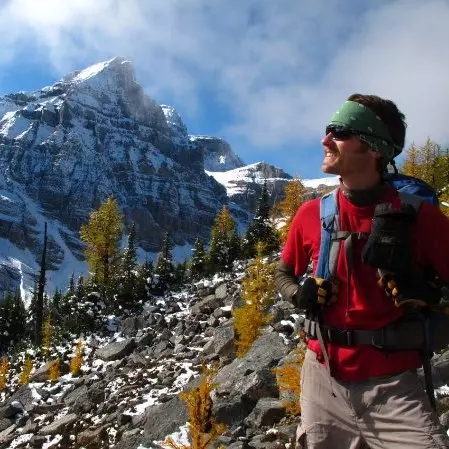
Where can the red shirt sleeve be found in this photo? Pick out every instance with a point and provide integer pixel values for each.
(298, 248)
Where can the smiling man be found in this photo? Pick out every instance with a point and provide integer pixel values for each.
(358, 390)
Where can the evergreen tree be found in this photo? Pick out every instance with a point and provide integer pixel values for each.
(261, 229)
(180, 274)
(235, 247)
(294, 192)
(130, 255)
(164, 266)
(39, 305)
(12, 320)
(411, 166)
(220, 256)
(102, 236)
(72, 284)
(198, 261)
(57, 299)
(258, 293)
(126, 298)
(144, 281)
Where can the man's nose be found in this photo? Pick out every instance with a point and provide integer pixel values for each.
(327, 139)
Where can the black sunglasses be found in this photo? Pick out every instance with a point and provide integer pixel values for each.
(341, 132)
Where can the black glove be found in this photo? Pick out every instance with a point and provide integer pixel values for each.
(415, 292)
(314, 292)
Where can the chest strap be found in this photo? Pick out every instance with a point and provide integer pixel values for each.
(401, 335)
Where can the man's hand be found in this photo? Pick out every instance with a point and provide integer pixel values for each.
(316, 291)
(406, 292)
(326, 292)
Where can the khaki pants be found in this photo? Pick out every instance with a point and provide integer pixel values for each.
(390, 412)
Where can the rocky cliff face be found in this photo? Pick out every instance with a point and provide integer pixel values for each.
(218, 154)
(66, 148)
(244, 186)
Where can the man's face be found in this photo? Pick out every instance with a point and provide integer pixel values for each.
(347, 155)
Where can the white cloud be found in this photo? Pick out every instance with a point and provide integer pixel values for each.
(281, 67)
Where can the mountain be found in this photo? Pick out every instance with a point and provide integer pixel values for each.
(96, 133)
(66, 148)
(244, 186)
(218, 154)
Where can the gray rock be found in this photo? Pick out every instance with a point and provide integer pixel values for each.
(244, 381)
(25, 396)
(163, 419)
(11, 409)
(144, 340)
(60, 425)
(116, 350)
(221, 291)
(224, 342)
(131, 439)
(444, 419)
(207, 305)
(5, 423)
(267, 412)
(92, 438)
(129, 326)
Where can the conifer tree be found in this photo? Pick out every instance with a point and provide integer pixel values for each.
(258, 294)
(126, 297)
(12, 319)
(130, 255)
(71, 290)
(144, 280)
(4, 372)
(198, 261)
(180, 274)
(220, 256)
(411, 166)
(39, 305)
(102, 236)
(47, 335)
(294, 192)
(261, 228)
(56, 300)
(164, 266)
(235, 247)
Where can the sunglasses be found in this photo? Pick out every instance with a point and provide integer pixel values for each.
(341, 132)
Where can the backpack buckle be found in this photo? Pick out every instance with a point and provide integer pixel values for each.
(349, 336)
(379, 338)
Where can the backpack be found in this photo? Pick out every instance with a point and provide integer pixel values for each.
(412, 186)
(435, 325)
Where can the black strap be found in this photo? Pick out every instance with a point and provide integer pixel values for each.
(406, 335)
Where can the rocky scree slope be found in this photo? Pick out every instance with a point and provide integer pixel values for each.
(127, 396)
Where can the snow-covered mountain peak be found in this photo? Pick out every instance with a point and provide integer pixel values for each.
(117, 71)
(218, 154)
(178, 129)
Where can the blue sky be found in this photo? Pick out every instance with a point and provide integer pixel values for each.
(263, 74)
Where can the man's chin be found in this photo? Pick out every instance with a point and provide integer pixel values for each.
(329, 169)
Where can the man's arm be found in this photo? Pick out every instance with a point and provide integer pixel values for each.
(286, 282)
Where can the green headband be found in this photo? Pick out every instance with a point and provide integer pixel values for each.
(372, 129)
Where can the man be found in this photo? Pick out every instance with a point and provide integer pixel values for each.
(358, 395)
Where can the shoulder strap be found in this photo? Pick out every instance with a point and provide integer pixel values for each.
(329, 248)
(413, 200)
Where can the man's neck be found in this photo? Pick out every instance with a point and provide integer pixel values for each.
(365, 195)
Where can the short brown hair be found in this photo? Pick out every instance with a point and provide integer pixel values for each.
(388, 112)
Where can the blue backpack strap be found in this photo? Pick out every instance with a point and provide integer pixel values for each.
(329, 226)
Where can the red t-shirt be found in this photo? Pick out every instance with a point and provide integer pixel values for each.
(367, 306)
